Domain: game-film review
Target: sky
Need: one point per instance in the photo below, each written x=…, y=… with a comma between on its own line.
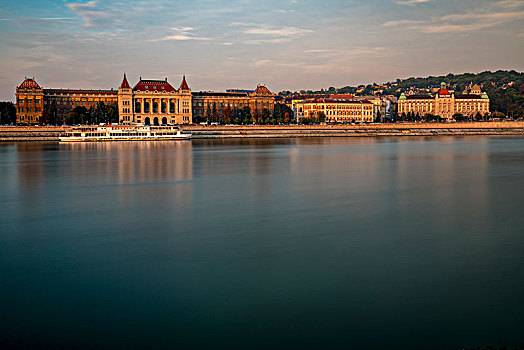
x=284, y=44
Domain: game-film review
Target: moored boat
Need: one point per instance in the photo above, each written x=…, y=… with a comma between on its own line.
x=124, y=133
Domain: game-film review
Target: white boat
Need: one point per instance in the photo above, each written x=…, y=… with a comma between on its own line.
x=123, y=133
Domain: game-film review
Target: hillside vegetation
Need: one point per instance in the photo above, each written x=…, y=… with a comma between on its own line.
x=504, y=88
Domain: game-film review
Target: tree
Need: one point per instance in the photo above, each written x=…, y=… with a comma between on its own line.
x=459, y=117
x=209, y=115
x=321, y=117
x=428, y=117
x=7, y=113
x=246, y=115
x=266, y=116
x=378, y=117
x=112, y=113
x=227, y=115
x=214, y=113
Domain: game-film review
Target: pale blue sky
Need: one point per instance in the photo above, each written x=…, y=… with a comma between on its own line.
x=286, y=44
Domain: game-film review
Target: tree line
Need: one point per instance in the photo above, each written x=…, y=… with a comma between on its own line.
x=101, y=113
x=281, y=114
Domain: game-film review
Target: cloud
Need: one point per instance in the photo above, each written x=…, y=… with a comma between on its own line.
x=274, y=35
x=89, y=12
x=496, y=14
x=182, y=34
x=285, y=31
x=403, y=22
x=412, y=2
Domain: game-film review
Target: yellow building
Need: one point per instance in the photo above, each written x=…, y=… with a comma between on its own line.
x=445, y=104
x=33, y=102
x=205, y=102
x=149, y=102
x=154, y=102
x=29, y=102
x=336, y=110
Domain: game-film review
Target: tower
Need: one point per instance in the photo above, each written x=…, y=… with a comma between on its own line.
x=185, y=102
x=125, y=102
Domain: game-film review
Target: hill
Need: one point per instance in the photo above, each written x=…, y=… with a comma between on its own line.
x=504, y=88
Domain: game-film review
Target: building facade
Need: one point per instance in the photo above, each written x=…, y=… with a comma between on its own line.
x=33, y=102
x=336, y=110
x=154, y=102
x=148, y=102
x=445, y=104
x=205, y=103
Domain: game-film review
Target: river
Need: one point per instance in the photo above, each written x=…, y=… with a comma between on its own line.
x=362, y=243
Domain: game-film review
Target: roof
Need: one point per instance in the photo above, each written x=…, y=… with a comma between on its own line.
x=262, y=89
x=219, y=94
x=29, y=83
x=125, y=83
x=84, y=92
x=419, y=97
x=153, y=85
x=467, y=96
x=345, y=96
x=335, y=100
x=443, y=92
x=184, y=85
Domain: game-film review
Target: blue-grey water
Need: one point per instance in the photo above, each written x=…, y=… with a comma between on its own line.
x=357, y=243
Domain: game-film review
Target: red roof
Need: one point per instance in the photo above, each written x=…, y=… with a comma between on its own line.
x=78, y=92
x=125, y=84
x=443, y=92
x=154, y=85
x=184, y=85
x=342, y=96
x=261, y=89
x=29, y=84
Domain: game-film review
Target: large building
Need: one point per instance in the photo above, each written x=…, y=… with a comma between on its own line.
x=33, y=102
x=206, y=103
x=154, y=102
x=148, y=102
x=336, y=110
x=445, y=104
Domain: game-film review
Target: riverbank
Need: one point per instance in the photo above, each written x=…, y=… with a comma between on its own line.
x=47, y=133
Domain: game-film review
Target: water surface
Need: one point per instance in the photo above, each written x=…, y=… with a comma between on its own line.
x=364, y=243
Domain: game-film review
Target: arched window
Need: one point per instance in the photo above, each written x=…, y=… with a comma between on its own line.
x=171, y=107
x=164, y=107
x=138, y=107
x=146, y=107
x=155, y=107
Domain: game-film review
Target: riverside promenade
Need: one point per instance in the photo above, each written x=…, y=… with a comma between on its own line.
x=51, y=133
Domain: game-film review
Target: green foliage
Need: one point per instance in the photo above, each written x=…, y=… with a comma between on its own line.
x=102, y=113
x=505, y=98
x=7, y=113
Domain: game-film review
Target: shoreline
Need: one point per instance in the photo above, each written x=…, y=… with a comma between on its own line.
x=51, y=133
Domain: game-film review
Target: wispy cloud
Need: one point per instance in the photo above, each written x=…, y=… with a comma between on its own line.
x=89, y=12
x=412, y=2
x=272, y=35
x=496, y=14
x=284, y=32
x=182, y=34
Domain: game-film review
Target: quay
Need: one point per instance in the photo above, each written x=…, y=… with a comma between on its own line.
x=52, y=133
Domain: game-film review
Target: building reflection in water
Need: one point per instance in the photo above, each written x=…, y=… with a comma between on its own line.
x=159, y=168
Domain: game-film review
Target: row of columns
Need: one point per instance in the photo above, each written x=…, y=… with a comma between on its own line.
x=159, y=102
